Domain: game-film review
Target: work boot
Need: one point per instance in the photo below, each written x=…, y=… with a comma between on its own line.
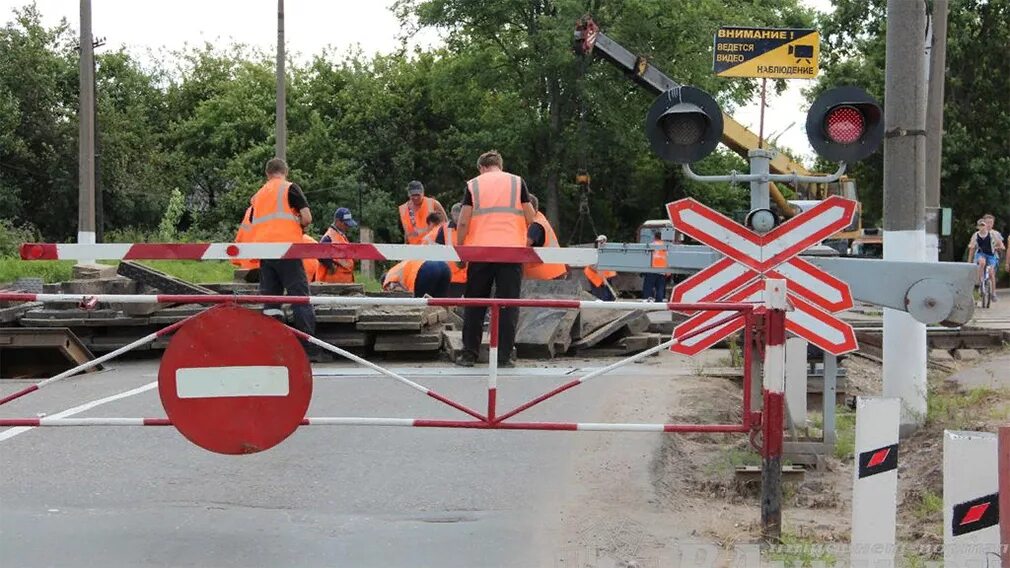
x=466, y=359
x=993, y=296
x=508, y=364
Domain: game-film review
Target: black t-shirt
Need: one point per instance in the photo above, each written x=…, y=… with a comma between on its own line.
x=296, y=200
x=537, y=234
x=524, y=194
x=296, y=197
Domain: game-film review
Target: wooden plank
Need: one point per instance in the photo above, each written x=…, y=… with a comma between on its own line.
x=345, y=339
x=14, y=313
x=159, y=280
x=389, y=342
x=34, y=352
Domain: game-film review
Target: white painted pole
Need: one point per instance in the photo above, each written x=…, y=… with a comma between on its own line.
x=796, y=381
x=970, y=499
x=875, y=482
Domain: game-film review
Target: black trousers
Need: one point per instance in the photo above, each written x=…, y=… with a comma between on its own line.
x=432, y=279
x=280, y=277
x=507, y=281
x=654, y=286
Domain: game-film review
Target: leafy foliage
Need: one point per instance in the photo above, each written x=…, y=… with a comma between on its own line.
x=976, y=149
x=361, y=127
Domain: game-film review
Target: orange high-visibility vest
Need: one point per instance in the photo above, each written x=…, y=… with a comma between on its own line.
x=343, y=270
x=597, y=278
x=417, y=227
x=457, y=269
x=539, y=270
x=431, y=238
x=311, y=265
x=273, y=219
x=403, y=273
x=659, y=255
x=244, y=235
x=497, y=219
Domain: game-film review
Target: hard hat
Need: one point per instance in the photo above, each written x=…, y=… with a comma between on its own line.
x=601, y=238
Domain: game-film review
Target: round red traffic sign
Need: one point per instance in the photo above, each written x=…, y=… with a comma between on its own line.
x=234, y=381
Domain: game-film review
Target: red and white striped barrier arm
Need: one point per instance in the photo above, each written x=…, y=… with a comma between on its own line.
x=358, y=251
x=369, y=301
x=402, y=422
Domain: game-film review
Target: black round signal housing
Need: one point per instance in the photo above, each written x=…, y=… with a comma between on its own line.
x=684, y=125
x=845, y=124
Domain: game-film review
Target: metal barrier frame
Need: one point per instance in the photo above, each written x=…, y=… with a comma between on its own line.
x=489, y=419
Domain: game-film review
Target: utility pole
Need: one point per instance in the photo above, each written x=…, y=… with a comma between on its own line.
x=934, y=125
x=86, y=118
x=99, y=201
x=904, y=200
x=282, y=126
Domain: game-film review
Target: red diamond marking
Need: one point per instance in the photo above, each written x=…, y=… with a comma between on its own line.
x=974, y=514
x=878, y=457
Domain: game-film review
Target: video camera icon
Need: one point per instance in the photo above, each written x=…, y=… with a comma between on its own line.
x=801, y=52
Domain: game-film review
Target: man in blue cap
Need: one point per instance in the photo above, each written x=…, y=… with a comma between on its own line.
x=339, y=270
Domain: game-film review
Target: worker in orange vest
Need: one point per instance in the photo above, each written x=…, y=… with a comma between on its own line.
x=654, y=283
x=244, y=235
x=279, y=214
x=310, y=265
x=339, y=270
x=441, y=233
x=541, y=234
x=496, y=213
x=414, y=213
x=599, y=284
x=436, y=229
x=422, y=277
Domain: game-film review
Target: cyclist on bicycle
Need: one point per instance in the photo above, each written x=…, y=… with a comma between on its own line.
x=982, y=250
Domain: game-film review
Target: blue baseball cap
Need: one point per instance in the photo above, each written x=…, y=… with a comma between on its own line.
x=344, y=214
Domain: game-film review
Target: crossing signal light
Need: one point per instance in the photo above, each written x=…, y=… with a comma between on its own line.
x=684, y=125
x=845, y=124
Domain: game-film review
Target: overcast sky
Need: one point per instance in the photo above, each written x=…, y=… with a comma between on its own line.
x=312, y=25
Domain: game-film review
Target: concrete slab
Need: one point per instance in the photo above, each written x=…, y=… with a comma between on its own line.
x=993, y=373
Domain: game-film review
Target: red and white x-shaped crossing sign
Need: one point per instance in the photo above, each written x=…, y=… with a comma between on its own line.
x=750, y=258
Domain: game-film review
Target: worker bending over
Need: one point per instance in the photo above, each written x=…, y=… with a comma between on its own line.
x=422, y=277
x=414, y=213
x=599, y=280
x=496, y=213
x=279, y=213
x=654, y=284
x=541, y=234
x=338, y=270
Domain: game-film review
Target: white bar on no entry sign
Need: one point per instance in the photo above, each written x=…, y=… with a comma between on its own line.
x=220, y=382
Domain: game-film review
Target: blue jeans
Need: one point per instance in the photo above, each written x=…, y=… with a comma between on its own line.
x=433, y=279
x=654, y=286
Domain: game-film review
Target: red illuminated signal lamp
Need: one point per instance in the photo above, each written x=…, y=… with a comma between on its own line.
x=845, y=124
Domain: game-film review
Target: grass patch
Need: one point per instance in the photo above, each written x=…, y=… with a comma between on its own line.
x=845, y=428
x=195, y=271
x=48, y=270
x=955, y=410
x=929, y=506
x=797, y=551
x=728, y=460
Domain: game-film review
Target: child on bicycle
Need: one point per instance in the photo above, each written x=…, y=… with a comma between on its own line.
x=983, y=249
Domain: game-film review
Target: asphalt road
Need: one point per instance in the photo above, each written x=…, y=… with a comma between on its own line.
x=327, y=496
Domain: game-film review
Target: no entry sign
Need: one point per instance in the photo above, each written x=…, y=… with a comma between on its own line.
x=234, y=381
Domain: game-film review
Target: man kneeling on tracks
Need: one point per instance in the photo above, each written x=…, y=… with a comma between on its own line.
x=279, y=213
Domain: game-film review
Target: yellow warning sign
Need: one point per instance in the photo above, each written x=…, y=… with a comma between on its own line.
x=773, y=53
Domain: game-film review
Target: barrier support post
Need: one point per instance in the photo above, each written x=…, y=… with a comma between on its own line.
x=774, y=410
x=1004, y=494
x=492, y=362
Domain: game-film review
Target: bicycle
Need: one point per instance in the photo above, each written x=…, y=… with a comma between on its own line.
x=985, y=286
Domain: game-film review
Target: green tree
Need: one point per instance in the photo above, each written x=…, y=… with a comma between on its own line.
x=976, y=150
